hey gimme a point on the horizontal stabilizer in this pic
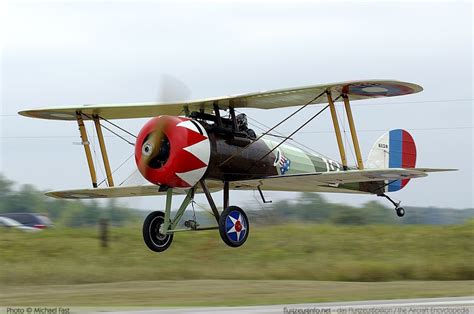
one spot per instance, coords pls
(330, 181)
(436, 169)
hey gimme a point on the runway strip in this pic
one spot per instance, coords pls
(460, 305)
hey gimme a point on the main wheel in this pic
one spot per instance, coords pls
(400, 211)
(154, 239)
(234, 226)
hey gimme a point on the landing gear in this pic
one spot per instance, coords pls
(159, 227)
(156, 239)
(400, 210)
(234, 226)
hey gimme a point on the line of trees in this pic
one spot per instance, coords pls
(27, 199)
(314, 208)
(309, 207)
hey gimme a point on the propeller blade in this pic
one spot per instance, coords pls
(172, 89)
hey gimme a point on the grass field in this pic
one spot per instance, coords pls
(279, 264)
(225, 292)
(282, 252)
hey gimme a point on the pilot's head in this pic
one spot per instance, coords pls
(241, 120)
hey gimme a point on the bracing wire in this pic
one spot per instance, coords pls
(33, 137)
(95, 154)
(129, 176)
(344, 131)
(271, 129)
(108, 129)
(289, 136)
(298, 144)
(118, 127)
(120, 166)
(116, 169)
(123, 138)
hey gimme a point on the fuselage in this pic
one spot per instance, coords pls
(181, 151)
(239, 158)
(234, 158)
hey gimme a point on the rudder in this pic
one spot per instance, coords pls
(394, 149)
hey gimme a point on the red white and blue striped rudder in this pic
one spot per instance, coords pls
(394, 149)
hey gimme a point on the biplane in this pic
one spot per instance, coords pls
(204, 146)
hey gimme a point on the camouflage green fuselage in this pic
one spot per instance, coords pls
(260, 159)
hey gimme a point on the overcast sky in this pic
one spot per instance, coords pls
(65, 52)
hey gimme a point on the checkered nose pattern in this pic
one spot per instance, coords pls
(172, 151)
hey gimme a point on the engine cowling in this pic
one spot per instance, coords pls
(173, 151)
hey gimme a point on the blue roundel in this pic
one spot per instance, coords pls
(236, 226)
(378, 89)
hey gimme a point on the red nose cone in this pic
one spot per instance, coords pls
(172, 151)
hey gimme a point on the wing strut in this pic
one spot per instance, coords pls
(355, 140)
(337, 130)
(87, 149)
(103, 150)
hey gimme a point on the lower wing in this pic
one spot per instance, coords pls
(304, 182)
(125, 191)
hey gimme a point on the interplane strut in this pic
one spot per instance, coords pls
(87, 149)
(355, 140)
(103, 150)
(337, 130)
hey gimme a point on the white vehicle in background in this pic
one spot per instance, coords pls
(10, 223)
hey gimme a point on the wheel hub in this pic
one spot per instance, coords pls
(160, 235)
(233, 226)
(238, 226)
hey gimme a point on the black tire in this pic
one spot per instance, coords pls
(154, 240)
(241, 227)
(400, 211)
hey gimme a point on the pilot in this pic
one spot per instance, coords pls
(242, 125)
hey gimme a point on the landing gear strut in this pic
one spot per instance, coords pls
(233, 222)
(159, 227)
(400, 210)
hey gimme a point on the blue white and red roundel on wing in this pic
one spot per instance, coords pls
(173, 151)
(376, 89)
(394, 149)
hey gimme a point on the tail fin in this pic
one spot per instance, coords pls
(394, 149)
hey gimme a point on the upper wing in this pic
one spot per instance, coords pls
(329, 181)
(355, 90)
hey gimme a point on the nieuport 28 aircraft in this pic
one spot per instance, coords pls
(203, 146)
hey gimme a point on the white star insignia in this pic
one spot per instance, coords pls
(233, 227)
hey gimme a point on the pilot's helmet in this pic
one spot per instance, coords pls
(241, 120)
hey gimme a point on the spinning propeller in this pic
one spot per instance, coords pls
(172, 150)
(156, 147)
